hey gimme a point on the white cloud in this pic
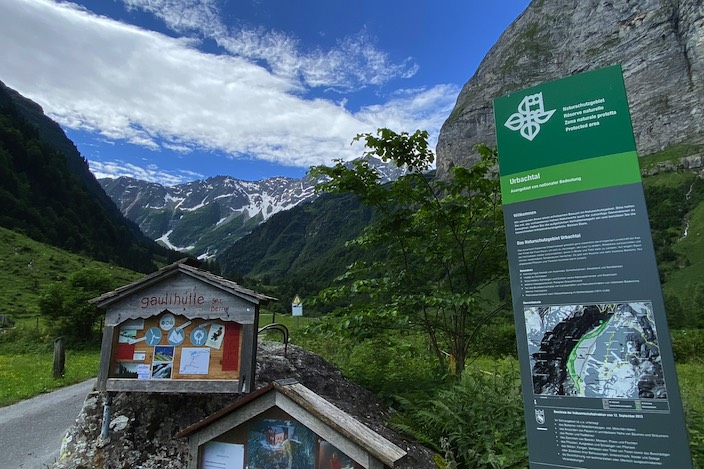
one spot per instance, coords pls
(202, 16)
(150, 173)
(353, 64)
(413, 110)
(125, 83)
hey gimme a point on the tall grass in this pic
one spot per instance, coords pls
(691, 377)
(26, 375)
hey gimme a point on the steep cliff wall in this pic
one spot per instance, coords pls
(659, 44)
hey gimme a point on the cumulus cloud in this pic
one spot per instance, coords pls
(125, 83)
(149, 173)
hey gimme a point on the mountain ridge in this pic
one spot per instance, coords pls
(49, 193)
(204, 217)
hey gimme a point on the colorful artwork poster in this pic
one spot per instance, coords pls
(278, 444)
(127, 336)
(163, 353)
(329, 457)
(163, 362)
(126, 370)
(162, 370)
(215, 336)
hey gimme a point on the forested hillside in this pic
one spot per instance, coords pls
(48, 193)
(301, 250)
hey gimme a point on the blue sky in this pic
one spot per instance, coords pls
(175, 90)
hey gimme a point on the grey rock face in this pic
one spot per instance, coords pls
(659, 44)
(693, 163)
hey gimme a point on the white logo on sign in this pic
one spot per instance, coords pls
(531, 114)
(540, 416)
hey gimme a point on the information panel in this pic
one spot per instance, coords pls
(597, 370)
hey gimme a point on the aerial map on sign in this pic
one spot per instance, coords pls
(604, 350)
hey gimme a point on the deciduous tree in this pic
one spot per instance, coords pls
(444, 243)
(66, 308)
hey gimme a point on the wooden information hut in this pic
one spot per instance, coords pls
(180, 329)
(286, 424)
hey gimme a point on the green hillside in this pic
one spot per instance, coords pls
(301, 250)
(687, 282)
(675, 202)
(30, 266)
(48, 193)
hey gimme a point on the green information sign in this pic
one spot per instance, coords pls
(597, 371)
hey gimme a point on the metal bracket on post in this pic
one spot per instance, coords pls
(242, 384)
(280, 328)
(105, 429)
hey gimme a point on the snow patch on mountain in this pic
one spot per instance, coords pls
(190, 214)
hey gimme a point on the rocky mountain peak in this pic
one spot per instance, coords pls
(204, 216)
(659, 44)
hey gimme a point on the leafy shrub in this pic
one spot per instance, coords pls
(497, 340)
(66, 309)
(389, 364)
(687, 344)
(692, 387)
(695, 427)
(477, 423)
(392, 365)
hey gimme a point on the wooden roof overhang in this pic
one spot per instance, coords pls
(246, 297)
(364, 446)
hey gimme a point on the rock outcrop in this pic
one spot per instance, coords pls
(659, 44)
(142, 426)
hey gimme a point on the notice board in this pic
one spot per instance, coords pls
(170, 346)
(598, 376)
(179, 329)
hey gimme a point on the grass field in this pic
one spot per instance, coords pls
(29, 267)
(26, 375)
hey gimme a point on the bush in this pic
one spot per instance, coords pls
(66, 309)
(477, 423)
(687, 344)
(392, 365)
(497, 340)
(692, 387)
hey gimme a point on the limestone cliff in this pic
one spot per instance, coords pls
(659, 44)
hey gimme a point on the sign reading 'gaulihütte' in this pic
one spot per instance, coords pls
(597, 371)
